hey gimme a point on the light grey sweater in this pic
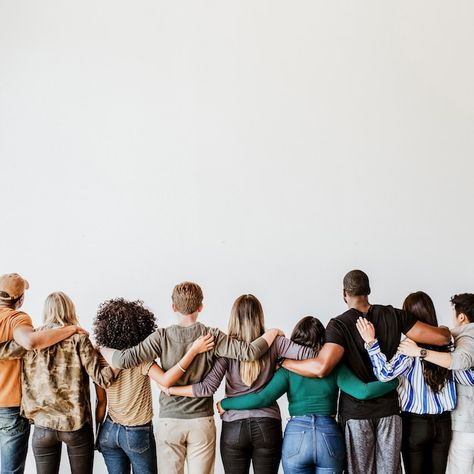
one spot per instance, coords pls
(463, 358)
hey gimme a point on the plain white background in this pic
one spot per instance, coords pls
(253, 146)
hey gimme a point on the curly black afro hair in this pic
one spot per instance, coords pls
(121, 324)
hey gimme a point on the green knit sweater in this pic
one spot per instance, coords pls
(310, 396)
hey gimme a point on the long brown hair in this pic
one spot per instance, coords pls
(420, 305)
(247, 323)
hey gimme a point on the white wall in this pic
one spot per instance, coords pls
(252, 146)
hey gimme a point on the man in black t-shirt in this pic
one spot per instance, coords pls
(372, 428)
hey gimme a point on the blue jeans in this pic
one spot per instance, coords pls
(313, 444)
(128, 446)
(14, 434)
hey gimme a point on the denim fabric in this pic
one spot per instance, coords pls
(128, 446)
(14, 434)
(256, 440)
(313, 444)
(47, 446)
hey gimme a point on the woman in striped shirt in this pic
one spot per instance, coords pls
(126, 438)
(427, 394)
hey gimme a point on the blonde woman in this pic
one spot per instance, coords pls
(250, 436)
(55, 391)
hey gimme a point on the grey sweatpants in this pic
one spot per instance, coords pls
(373, 446)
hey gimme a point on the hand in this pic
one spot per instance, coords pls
(366, 330)
(278, 331)
(409, 348)
(220, 410)
(79, 330)
(203, 344)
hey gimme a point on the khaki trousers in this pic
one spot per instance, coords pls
(191, 440)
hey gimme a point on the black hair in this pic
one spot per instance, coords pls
(309, 332)
(121, 324)
(420, 305)
(464, 303)
(356, 283)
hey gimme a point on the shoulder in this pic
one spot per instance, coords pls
(19, 318)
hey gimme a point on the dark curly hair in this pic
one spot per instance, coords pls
(121, 324)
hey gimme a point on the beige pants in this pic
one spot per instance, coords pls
(193, 441)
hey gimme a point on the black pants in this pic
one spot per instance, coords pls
(425, 443)
(256, 440)
(47, 449)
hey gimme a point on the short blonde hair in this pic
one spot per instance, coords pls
(59, 309)
(187, 297)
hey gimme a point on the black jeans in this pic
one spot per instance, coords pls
(256, 440)
(47, 445)
(425, 442)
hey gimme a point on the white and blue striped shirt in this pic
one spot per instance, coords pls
(415, 395)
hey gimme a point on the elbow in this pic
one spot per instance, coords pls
(29, 345)
(445, 336)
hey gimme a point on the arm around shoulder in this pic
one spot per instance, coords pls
(320, 366)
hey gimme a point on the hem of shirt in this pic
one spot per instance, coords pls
(130, 424)
(185, 416)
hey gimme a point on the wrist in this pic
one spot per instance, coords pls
(422, 353)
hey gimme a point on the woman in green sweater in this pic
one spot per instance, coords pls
(313, 441)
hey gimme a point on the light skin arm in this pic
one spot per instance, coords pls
(171, 376)
(427, 334)
(30, 339)
(320, 366)
(410, 348)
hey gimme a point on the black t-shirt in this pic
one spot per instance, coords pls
(389, 324)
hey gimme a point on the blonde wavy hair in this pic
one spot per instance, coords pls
(247, 323)
(59, 309)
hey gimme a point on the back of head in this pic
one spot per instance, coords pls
(420, 305)
(247, 323)
(121, 324)
(309, 332)
(12, 289)
(356, 283)
(464, 304)
(59, 310)
(187, 297)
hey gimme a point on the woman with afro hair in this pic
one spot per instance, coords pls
(126, 438)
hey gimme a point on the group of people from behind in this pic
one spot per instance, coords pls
(393, 395)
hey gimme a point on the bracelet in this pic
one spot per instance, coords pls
(179, 367)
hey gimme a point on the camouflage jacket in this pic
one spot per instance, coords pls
(55, 381)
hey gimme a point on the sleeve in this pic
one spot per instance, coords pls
(334, 333)
(385, 370)
(146, 366)
(464, 377)
(147, 351)
(209, 385)
(226, 346)
(352, 385)
(19, 320)
(290, 350)
(11, 350)
(407, 320)
(462, 358)
(277, 386)
(90, 360)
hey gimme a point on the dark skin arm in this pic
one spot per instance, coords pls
(328, 357)
(426, 334)
(101, 405)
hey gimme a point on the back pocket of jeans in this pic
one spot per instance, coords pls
(138, 439)
(334, 444)
(292, 443)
